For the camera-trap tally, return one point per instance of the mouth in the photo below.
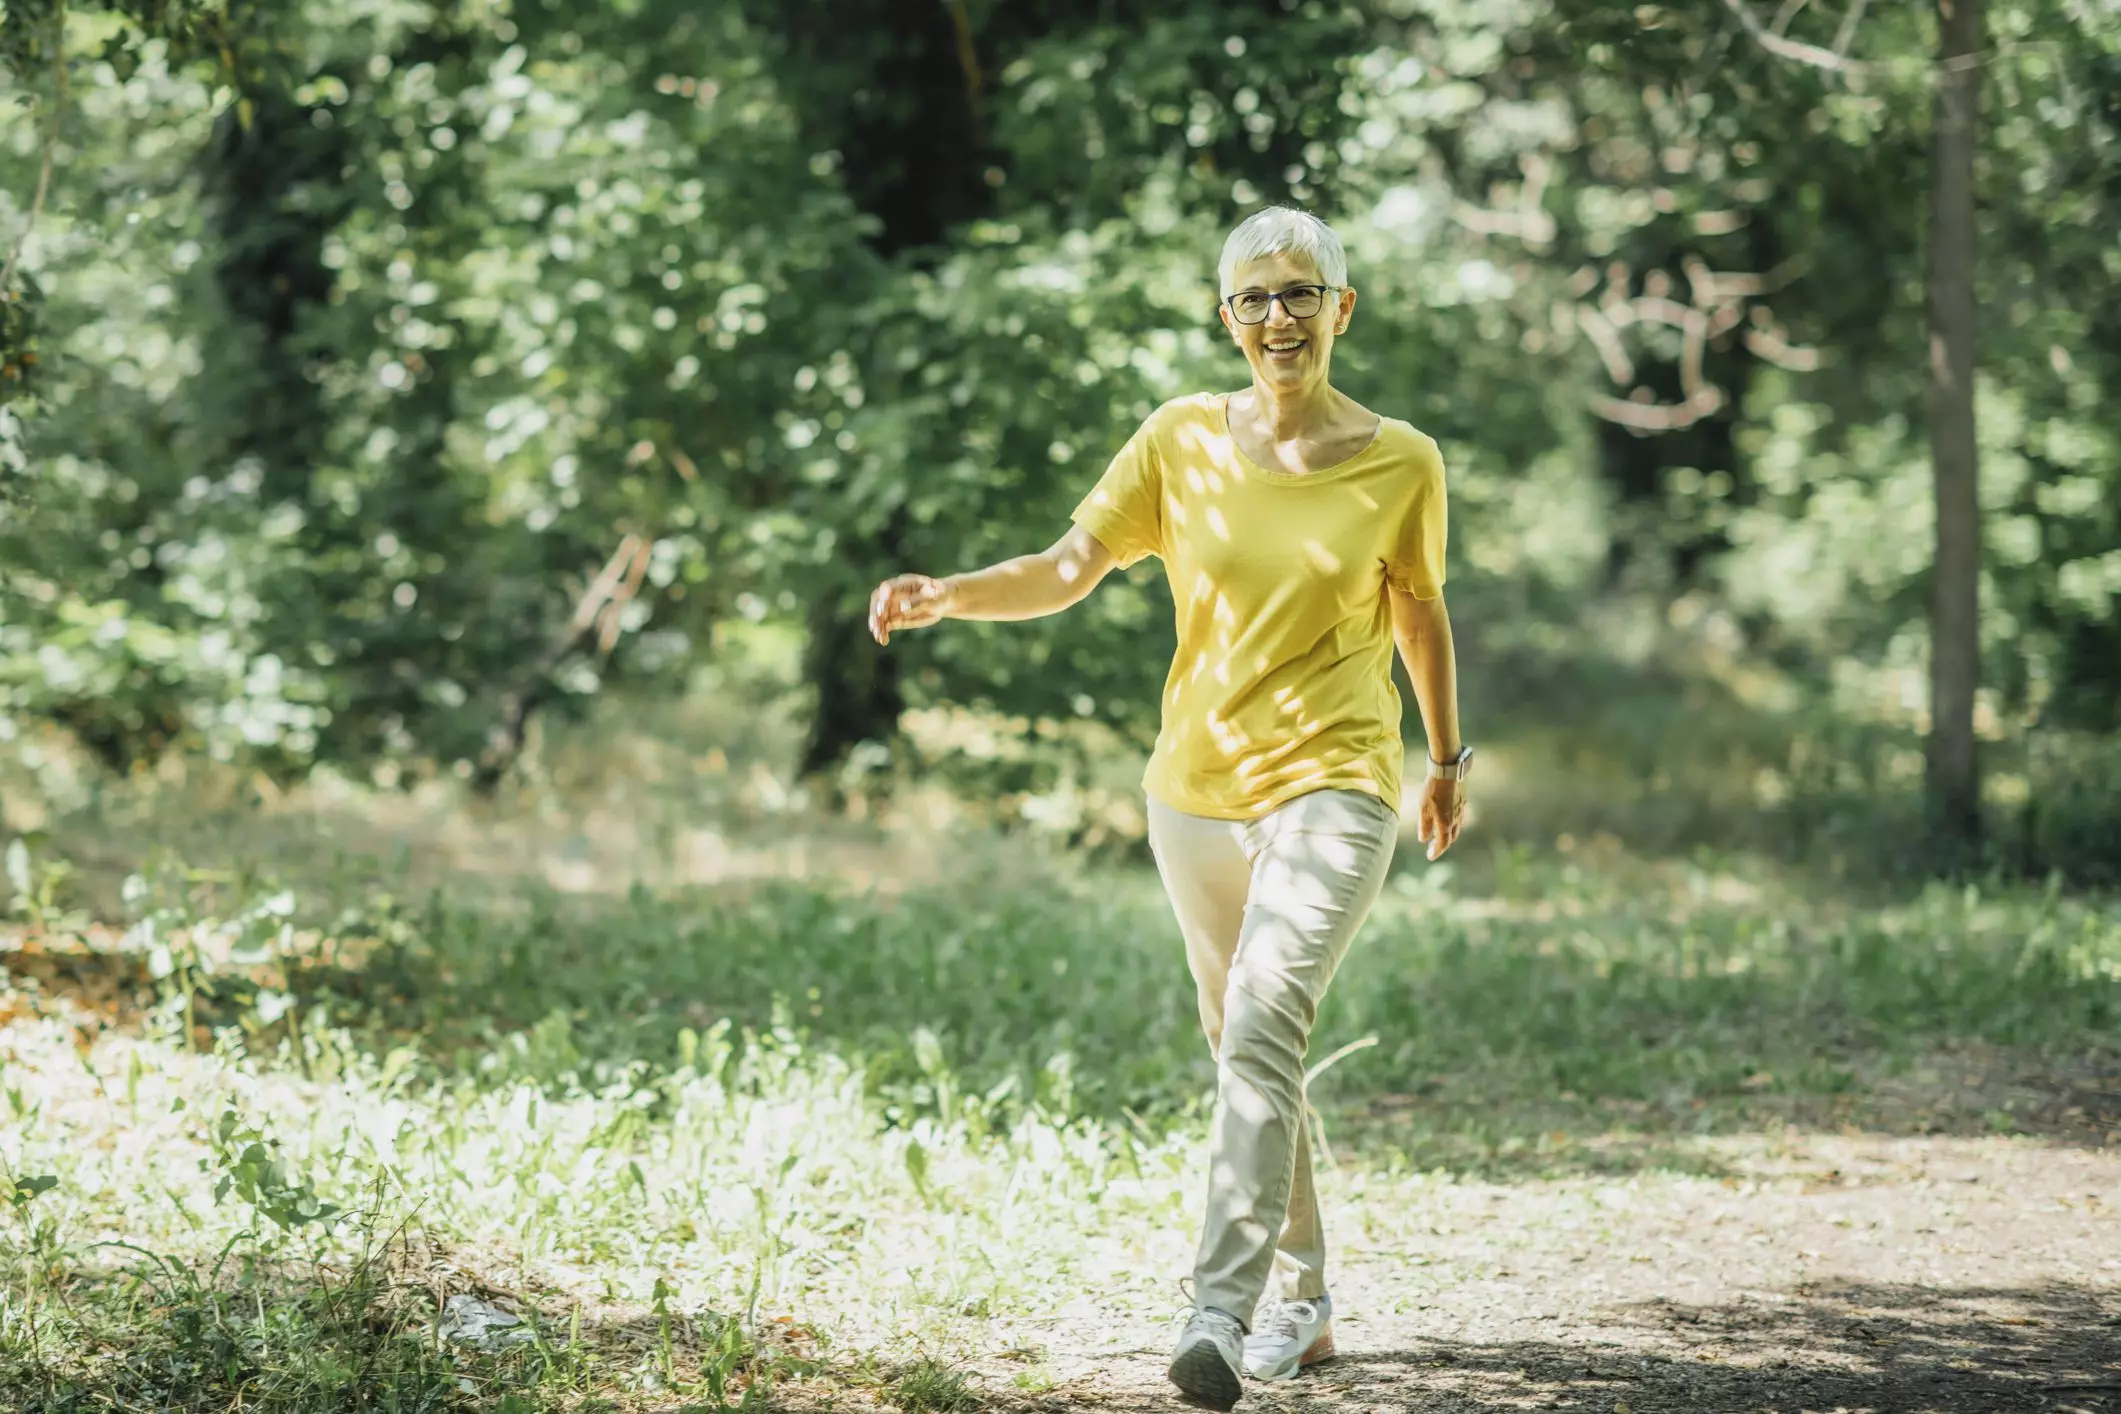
(1284, 350)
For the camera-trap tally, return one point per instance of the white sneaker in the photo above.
(1210, 1353)
(1292, 1335)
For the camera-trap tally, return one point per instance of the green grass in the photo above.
(786, 1133)
(932, 1387)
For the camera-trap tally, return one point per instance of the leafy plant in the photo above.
(251, 1168)
(39, 890)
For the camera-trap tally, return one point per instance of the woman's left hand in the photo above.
(1443, 808)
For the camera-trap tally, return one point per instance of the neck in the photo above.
(1289, 413)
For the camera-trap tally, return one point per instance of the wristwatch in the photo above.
(1455, 769)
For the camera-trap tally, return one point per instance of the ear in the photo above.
(1223, 312)
(1347, 312)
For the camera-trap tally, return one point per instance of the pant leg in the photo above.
(1207, 877)
(1318, 864)
(1299, 1270)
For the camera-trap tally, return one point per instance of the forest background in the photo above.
(384, 378)
(486, 928)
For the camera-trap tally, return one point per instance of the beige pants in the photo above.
(1268, 908)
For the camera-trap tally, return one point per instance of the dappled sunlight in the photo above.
(545, 867)
(1282, 679)
(793, 1089)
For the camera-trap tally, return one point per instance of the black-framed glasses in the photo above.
(1300, 301)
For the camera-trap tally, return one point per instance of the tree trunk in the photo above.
(856, 682)
(1953, 779)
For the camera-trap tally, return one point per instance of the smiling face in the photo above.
(1288, 354)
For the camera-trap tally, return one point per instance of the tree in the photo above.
(1953, 775)
(945, 113)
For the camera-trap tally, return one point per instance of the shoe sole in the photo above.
(1204, 1379)
(1319, 1351)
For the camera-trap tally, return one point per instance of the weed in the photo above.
(932, 1387)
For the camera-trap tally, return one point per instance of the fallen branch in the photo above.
(1311, 1075)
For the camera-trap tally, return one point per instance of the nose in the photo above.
(1278, 313)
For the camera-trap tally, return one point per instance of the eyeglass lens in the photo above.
(1301, 302)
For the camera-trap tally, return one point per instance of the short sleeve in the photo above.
(1125, 510)
(1415, 564)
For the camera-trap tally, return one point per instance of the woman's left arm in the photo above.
(1422, 628)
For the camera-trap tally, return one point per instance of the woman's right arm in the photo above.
(1027, 587)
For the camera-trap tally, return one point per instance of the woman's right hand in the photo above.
(907, 601)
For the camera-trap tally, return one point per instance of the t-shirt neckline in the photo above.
(1294, 478)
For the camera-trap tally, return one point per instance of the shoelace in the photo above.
(1186, 1312)
(1284, 1322)
(1184, 1315)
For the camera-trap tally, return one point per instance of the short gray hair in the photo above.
(1274, 229)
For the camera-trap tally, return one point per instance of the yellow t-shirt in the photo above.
(1282, 684)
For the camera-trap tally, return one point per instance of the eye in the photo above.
(1302, 301)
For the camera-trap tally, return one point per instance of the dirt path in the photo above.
(1848, 1275)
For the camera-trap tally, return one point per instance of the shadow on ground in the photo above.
(1840, 1349)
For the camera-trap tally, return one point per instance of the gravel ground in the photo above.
(1842, 1274)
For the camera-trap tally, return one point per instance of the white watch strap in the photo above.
(1454, 769)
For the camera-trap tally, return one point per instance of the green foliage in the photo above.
(377, 376)
(932, 1387)
(256, 1174)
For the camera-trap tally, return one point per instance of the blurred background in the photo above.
(460, 838)
(391, 384)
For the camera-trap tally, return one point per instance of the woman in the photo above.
(1302, 534)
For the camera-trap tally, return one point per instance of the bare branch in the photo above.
(1715, 286)
(1658, 417)
(1530, 222)
(1691, 354)
(44, 169)
(1769, 345)
(610, 621)
(1654, 309)
(1603, 338)
(599, 608)
(1791, 49)
(968, 62)
(1846, 35)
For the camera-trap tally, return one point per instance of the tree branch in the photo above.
(1846, 35)
(51, 149)
(1786, 48)
(968, 63)
(599, 608)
